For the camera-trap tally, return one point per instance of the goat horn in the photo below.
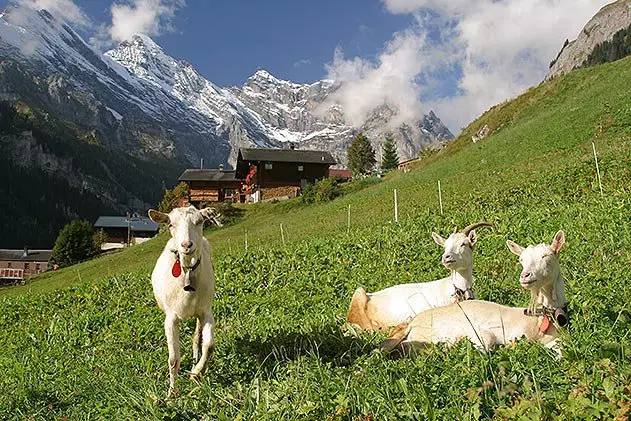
(466, 230)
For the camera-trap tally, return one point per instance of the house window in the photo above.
(301, 168)
(38, 267)
(268, 165)
(27, 266)
(9, 264)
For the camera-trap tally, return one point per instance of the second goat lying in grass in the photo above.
(488, 324)
(400, 303)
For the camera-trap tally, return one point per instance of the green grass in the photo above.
(88, 342)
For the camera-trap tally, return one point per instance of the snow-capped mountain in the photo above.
(138, 98)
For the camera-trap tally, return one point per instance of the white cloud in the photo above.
(302, 62)
(391, 79)
(65, 10)
(499, 47)
(149, 17)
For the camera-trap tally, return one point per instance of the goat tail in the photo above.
(357, 310)
(398, 335)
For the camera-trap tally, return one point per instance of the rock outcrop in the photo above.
(602, 27)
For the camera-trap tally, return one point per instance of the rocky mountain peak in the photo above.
(602, 27)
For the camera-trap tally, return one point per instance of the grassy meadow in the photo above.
(87, 342)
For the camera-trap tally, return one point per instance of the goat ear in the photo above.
(473, 237)
(558, 241)
(438, 239)
(158, 217)
(514, 248)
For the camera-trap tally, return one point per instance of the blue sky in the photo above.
(227, 41)
(455, 57)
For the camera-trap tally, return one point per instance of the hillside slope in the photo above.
(280, 353)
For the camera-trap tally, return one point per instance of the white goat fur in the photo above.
(185, 225)
(400, 303)
(487, 324)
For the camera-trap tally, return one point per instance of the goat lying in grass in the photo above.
(184, 285)
(400, 303)
(488, 324)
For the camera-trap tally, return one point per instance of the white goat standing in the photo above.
(400, 303)
(487, 324)
(184, 285)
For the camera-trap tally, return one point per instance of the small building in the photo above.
(123, 230)
(280, 173)
(211, 186)
(18, 265)
(404, 165)
(343, 175)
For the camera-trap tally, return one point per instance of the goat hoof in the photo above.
(173, 392)
(195, 377)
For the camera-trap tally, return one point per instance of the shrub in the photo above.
(324, 190)
(228, 212)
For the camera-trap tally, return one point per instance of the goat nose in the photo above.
(447, 257)
(526, 275)
(187, 244)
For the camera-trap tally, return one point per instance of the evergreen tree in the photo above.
(389, 157)
(75, 244)
(361, 155)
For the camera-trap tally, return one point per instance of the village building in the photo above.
(280, 173)
(122, 231)
(405, 165)
(19, 265)
(342, 174)
(212, 186)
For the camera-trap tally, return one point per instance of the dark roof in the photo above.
(33, 255)
(287, 155)
(207, 175)
(137, 224)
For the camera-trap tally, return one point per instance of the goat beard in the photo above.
(188, 261)
(533, 301)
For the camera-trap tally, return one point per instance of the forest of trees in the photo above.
(35, 204)
(607, 51)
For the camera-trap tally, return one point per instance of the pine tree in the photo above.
(361, 155)
(389, 157)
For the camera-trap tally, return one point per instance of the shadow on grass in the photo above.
(264, 356)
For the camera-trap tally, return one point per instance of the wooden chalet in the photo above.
(280, 173)
(211, 186)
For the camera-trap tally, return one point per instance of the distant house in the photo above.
(404, 165)
(211, 186)
(122, 230)
(344, 175)
(18, 265)
(279, 173)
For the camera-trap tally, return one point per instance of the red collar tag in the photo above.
(176, 270)
(545, 324)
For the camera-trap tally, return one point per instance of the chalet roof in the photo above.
(207, 175)
(137, 224)
(287, 155)
(33, 255)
